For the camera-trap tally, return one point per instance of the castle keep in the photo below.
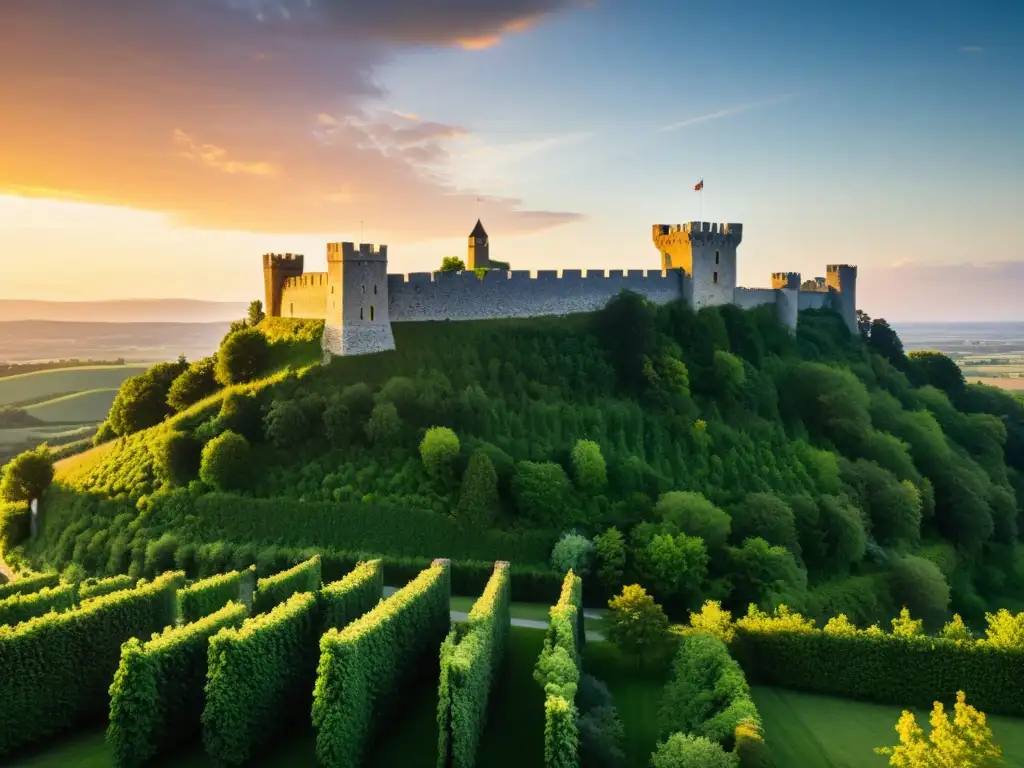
(358, 299)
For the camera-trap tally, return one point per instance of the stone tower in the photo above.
(357, 300)
(278, 267)
(707, 253)
(842, 282)
(786, 280)
(479, 254)
(787, 298)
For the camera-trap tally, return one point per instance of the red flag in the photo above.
(700, 186)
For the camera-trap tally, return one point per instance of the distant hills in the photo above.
(123, 311)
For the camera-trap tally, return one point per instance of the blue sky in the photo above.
(882, 134)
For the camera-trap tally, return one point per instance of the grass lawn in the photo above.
(637, 695)
(530, 611)
(810, 730)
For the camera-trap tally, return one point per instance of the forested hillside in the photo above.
(705, 455)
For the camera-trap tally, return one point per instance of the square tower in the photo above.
(479, 253)
(358, 322)
(706, 251)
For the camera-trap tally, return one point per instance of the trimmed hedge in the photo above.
(471, 656)
(365, 666)
(376, 527)
(208, 595)
(344, 601)
(878, 666)
(274, 590)
(156, 699)
(97, 587)
(558, 670)
(260, 676)
(27, 584)
(469, 577)
(55, 670)
(18, 608)
(15, 524)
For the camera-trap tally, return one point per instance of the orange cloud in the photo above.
(227, 114)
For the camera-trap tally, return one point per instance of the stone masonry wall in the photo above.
(305, 296)
(463, 296)
(814, 299)
(748, 298)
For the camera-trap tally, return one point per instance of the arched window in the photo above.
(371, 311)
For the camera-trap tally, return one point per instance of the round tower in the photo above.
(841, 280)
(357, 300)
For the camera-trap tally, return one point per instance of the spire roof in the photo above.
(478, 230)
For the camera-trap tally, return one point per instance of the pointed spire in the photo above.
(478, 230)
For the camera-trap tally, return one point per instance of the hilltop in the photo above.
(707, 455)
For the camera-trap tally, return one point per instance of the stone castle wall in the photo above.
(815, 299)
(423, 296)
(748, 298)
(305, 296)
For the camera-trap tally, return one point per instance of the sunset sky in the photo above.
(155, 148)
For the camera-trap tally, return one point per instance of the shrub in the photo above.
(751, 750)
(542, 493)
(225, 462)
(141, 403)
(259, 676)
(274, 590)
(470, 659)
(686, 751)
(346, 600)
(27, 584)
(243, 356)
(635, 623)
(364, 667)
(240, 412)
(384, 425)
(27, 475)
(572, 552)
(209, 595)
(589, 466)
(18, 608)
(478, 495)
(292, 423)
(195, 382)
(691, 513)
(96, 587)
(15, 525)
(176, 457)
(439, 451)
(601, 737)
(610, 550)
(156, 699)
(561, 734)
(87, 644)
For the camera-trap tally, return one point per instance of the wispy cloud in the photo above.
(736, 109)
(972, 49)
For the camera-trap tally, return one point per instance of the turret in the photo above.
(278, 267)
(358, 321)
(479, 253)
(706, 251)
(786, 280)
(842, 283)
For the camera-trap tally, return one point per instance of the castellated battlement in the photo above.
(840, 268)
(350, 252)
(542, 275)
(706, 232)
(307, 280)
(293, 262)
(786, 280)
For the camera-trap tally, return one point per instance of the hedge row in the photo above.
(156, 699)
(18, 608)
(15, 524)
(55, 670)
(27, 584)
(97, 587)
(257, 674)
(558, 671)
(471, 656)
(469, 577)
(378, 527)
(879, 666)
(365, 666)
(344, 601)
(209, 595)
(708, 696)
(274, 590)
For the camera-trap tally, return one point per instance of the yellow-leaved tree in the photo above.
(966, 742)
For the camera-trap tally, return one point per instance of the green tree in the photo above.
(240, 412)
(635, 623)
(243, 356)
(766, 516)
(452, 264)
(935, 369)
(675, 567)
(886, 342)
(729, 374)
(292, 423)
(681, 750)
(894, 507)
(193, 384)
(27, 475)
(224, 463)
(691, 513)
(255, 314)
(589, 466)
(964, 742)
(919, 585)
(140, 403)
(542, 494)
(572, 552)
(610, 551)
(478, 495)
(439, 451)
(762, 574)
(845, 538)
(176, 457)
(384, 426)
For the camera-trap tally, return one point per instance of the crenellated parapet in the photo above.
(278, 268)
(842, 282)
(697, 232)
(352, 252)
(786, 280)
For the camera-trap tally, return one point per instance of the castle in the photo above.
(358, 299)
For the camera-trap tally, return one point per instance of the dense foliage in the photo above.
(347, 599)
(471, 656)
(245, 708)
(156, 698)
(22, 607)
(273, 590)
(27, 475)
(96, 587)
(365, 667)
(209, 595)
(55, 669)
(28, 584)
(15, 525)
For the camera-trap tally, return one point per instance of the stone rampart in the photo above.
(305, 296)
(423, 296)
(748, 298)
(815, 299)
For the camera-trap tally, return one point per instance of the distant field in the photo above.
(53, 434)
(90, 406)
(1012, 384)
(61, 381)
